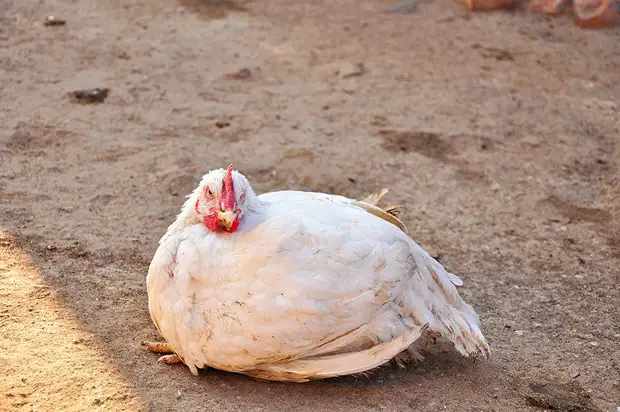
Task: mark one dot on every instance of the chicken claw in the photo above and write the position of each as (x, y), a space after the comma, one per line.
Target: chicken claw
(170, 359)
(162, 347)
(157, 347)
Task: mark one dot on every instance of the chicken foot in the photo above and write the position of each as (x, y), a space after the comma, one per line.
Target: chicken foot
(162, 347)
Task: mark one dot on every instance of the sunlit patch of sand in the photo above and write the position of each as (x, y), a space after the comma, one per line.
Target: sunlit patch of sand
(58, 364)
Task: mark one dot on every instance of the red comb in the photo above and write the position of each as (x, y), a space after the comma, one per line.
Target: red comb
(228, 190)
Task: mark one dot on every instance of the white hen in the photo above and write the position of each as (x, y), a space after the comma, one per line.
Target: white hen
(294, 286)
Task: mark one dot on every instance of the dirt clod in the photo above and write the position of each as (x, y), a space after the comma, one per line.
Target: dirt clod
(352, 70)
(90, 96)
(241, 74)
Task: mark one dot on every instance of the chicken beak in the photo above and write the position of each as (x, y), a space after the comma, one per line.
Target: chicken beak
(226, 219)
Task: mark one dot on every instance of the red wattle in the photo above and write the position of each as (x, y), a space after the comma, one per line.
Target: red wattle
(234, 226)
(211, 222)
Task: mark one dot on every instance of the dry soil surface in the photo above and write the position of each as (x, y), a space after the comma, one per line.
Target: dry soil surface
(499, 131)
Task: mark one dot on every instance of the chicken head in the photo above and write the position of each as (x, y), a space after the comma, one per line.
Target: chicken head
(221, 199)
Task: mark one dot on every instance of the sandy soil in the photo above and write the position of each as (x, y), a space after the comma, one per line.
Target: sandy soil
(499, 131)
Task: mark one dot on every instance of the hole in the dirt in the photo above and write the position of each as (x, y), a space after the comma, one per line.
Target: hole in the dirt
(426, 143)
(214, 8)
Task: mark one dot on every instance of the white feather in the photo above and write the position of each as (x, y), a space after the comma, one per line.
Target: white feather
(330, 366)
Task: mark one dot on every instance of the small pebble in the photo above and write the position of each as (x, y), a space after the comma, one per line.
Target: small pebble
(54, 21)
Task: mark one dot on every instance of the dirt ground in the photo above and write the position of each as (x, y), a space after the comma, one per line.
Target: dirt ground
(499, 131)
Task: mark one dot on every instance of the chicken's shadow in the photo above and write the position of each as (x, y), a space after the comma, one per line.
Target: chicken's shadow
(441, 367)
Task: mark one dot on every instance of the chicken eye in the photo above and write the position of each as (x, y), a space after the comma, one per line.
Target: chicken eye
(210, 194)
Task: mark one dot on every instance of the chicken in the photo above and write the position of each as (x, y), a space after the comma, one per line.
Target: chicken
(588, 13)
(294, 286)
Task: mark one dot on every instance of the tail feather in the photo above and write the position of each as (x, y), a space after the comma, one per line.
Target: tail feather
(390, 214)
(329, 366)
(458, 321)
(375, 198)
(460, 325)
(433, 298)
